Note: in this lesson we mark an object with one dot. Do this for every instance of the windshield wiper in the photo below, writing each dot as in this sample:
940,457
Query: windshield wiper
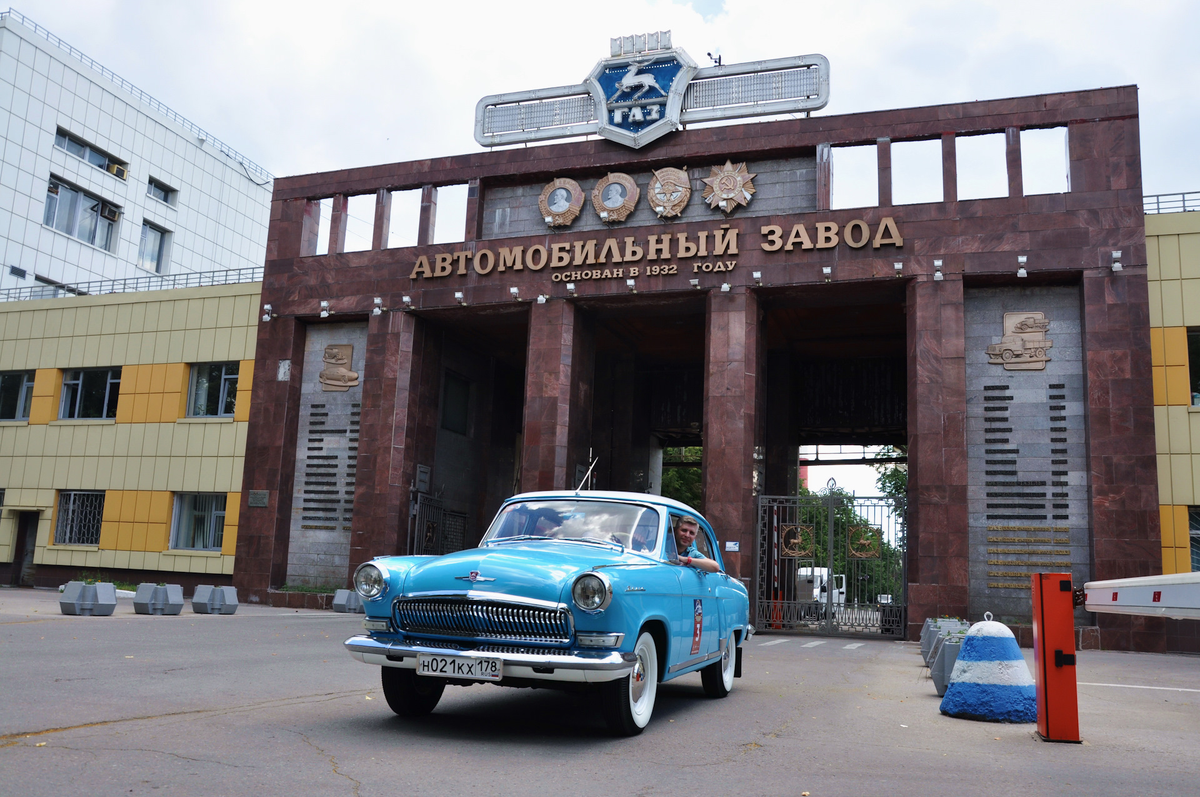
519,538
594,541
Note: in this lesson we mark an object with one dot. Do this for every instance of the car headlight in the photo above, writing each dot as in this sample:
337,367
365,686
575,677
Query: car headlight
370,580
592,592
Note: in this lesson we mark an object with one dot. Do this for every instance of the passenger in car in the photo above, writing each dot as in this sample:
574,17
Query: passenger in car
685,541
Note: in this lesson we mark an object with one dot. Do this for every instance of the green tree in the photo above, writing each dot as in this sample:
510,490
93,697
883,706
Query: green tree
682,482
866,578
892,480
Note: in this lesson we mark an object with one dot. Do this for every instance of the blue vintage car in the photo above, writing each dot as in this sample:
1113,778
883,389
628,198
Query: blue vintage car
571,590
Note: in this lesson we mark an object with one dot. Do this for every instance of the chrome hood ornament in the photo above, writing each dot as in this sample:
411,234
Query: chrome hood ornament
473,577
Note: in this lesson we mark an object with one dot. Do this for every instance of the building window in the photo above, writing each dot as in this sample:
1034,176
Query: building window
81,215
90,393
79,515
160,191
199,521
86,152
153,249
456,400
16,395
1193,350
1194,536
213,389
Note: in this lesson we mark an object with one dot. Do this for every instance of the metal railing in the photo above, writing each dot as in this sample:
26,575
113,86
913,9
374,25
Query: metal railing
1171,203
192,127
195,279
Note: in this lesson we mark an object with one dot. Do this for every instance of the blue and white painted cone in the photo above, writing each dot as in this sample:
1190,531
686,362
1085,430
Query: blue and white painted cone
990,680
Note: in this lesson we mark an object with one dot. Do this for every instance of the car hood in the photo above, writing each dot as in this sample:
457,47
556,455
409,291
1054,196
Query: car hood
534,569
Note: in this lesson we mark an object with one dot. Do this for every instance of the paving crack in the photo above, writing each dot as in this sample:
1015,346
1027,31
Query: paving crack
332,760
11,739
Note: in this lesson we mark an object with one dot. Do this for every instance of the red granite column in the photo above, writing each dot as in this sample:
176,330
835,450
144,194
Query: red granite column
732,417
938,549
264,531
338,219
381,230
949,168
1124,475
1012,156
884,149
558,396
399,408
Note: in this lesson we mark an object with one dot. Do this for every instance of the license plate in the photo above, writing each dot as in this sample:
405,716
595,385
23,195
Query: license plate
473,667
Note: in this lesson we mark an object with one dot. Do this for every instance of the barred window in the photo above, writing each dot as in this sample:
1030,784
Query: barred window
79,515
214,389
90,393
199,521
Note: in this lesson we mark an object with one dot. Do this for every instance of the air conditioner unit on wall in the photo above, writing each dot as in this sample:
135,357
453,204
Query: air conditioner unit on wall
109,212
117,169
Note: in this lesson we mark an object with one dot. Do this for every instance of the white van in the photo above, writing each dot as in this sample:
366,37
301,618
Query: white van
816,578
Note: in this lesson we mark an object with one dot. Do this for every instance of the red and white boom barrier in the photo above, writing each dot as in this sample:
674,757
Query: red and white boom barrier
1176,595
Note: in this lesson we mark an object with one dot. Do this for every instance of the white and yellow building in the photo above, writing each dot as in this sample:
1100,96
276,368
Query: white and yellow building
1173,255
122,430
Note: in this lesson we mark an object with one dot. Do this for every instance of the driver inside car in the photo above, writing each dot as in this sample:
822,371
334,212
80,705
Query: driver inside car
686,531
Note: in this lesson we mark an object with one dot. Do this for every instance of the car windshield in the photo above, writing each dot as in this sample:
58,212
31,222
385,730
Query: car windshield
634,527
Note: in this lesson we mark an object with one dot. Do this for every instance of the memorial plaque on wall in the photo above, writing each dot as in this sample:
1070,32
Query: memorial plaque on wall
1026,454
326,455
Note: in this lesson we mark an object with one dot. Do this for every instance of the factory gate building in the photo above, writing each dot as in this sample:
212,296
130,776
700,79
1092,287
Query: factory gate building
605,302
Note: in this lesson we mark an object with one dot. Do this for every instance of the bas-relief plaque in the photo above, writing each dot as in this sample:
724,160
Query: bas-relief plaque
614,197
1023,345
729,187
669,192
864,542
336,375
798,542
560,202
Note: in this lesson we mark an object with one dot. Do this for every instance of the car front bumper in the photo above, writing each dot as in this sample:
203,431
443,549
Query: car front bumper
575,666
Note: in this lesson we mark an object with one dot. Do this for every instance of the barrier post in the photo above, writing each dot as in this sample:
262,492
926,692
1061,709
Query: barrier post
1054,657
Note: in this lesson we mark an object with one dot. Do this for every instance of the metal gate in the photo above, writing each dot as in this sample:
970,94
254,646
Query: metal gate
435,530
832,563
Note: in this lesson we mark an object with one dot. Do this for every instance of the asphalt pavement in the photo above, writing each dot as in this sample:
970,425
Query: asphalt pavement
267,702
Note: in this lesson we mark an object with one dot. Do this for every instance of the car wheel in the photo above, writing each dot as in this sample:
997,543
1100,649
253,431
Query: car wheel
718,676
629,702
1006,355
408,694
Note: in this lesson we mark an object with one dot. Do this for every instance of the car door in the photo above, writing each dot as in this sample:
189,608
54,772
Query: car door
698,626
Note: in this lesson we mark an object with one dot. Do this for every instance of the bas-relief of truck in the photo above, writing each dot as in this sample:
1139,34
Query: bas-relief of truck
1026,342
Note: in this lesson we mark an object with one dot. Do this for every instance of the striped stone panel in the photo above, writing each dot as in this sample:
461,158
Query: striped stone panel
1026,449
326,462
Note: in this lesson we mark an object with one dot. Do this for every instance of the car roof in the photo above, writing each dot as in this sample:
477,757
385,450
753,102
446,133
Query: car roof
608,495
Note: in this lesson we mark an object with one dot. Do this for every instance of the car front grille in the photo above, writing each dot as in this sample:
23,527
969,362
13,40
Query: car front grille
482,620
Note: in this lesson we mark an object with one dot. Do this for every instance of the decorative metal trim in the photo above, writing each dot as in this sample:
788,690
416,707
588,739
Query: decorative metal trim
560,202
614,197
683,665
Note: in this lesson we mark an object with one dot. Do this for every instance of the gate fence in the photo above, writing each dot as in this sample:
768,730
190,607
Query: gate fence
832,563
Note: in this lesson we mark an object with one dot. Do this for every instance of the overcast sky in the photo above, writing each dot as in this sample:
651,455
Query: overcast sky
303,86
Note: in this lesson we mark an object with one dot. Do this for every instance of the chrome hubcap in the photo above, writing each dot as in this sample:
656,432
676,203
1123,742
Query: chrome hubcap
637,680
